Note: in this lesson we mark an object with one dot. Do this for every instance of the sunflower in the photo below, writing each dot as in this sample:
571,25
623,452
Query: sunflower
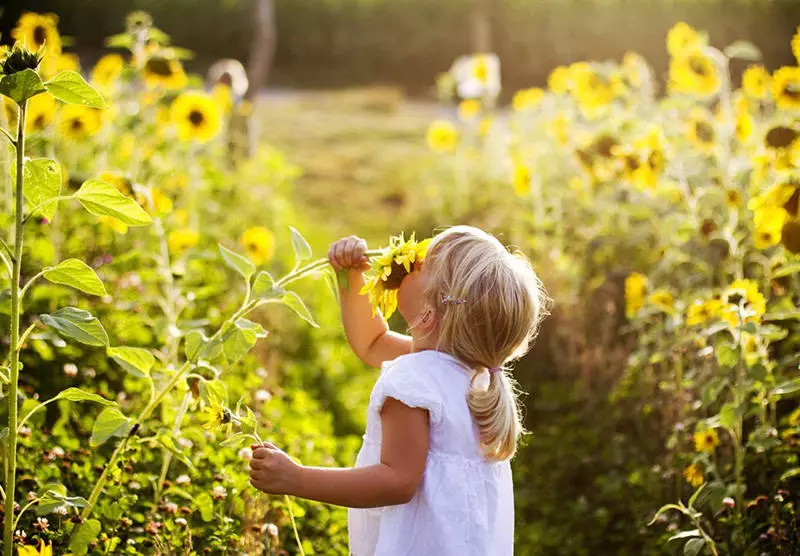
700,131
182,239
706,440
701,312
469,109
742,296
107,70
769,223
387,271
527,99
786,88
694,73
521,178
560,81
693,475
214,416
196,116
756,81
682,37
593,90
663,300
161,71
744,121
43,550
790,236
733,199
41,111
635,288
40,30
259,242
154,201
223,97
78,122
651,159
67,62
442,136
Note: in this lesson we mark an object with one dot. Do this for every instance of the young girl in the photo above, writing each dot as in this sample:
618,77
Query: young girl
433,475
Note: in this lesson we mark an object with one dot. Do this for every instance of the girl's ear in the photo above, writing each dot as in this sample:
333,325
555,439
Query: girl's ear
427,320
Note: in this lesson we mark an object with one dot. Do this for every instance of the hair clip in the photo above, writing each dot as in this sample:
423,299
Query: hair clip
450,300
495,370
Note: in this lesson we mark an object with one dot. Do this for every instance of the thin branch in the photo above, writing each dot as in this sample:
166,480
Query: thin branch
9,137
26,334
30,283
5,246
38,207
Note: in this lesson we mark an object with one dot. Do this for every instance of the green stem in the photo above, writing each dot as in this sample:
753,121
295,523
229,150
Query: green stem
22,511
9,267
11,446
319,263
49,201
29,284
167,455
27,333
294,525
8,136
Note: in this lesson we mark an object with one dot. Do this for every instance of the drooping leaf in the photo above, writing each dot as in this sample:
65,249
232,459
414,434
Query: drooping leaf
42,181
743,50
665,508
293,301
102,199
302,250
21,86
136,361
78,325
110,422
240,264
77,395
69,86
77,274
685,535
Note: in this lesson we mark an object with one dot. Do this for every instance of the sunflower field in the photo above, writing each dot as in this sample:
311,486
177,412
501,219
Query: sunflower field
162,307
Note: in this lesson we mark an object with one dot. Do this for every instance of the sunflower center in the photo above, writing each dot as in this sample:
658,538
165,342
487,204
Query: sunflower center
604,145
698,66
76,125
39,122
395,277
196,117
780,137
792,91
705,132
791,205
159,66
39,35
790,236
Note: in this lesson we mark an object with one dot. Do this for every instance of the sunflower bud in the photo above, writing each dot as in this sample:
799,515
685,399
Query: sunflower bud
21,58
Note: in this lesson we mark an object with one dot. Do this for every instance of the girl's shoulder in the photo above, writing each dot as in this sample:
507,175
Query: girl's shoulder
420,361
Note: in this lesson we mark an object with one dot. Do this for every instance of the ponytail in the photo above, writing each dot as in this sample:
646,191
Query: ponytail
496,413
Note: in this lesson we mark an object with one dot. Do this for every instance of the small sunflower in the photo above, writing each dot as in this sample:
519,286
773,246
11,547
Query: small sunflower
527,99
694,73
259,243
183,239
41,111
214,416
786,88
161,71
693,475
469,109
196,116
682,37
743,296
593,90
442,136
756,82
635,289
706,440
40,30
521,178
387,271
700,131
43,550
701,312
78,122
107,70
663,300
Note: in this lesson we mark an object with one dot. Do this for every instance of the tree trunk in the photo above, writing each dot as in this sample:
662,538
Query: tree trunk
265,41
481,23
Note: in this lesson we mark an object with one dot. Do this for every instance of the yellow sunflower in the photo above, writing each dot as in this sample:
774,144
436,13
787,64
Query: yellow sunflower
442,136
635,289
527,99
682,37
160,71
651,160
183,239
196,116
123,184
78,122
560,81
259,242
693,475
387,271
663,300
41,111
36,30
700,131
43,550
756,81
701,312
521,177
107,70
593,90
154,201
786,88
742,297
692,72
215,415
469,109
706,440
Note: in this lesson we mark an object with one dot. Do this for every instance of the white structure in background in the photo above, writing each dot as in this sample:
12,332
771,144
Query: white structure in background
230,72
477,76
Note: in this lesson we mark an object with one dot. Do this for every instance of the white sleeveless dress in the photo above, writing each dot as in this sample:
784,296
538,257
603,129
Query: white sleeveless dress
465,504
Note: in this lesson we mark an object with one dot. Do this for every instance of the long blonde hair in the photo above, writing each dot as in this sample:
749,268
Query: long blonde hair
505,304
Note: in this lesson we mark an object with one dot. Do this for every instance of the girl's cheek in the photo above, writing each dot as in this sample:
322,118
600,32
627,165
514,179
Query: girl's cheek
408,296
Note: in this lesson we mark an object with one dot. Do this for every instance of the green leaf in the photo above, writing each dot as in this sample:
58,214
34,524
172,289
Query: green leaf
696,494
21,86
743,50
52,501
213,391
169,443
78,325
136,361
234,440
727,416
77,274
293,301
693,547
42,182
665,508
199,347
85,534
787,388
110,422
264,287
786,315
727,356
205,504
69,87
239,338
302,250
685,535
786,270
77,395
240,264
791,473
102,199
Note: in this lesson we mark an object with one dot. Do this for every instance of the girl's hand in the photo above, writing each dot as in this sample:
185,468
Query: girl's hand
348,252
273,471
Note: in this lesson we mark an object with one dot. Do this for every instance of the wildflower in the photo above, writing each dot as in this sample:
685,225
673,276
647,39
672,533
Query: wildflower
706,440
785,87
756,81
693,475
183,480
692,72
682,37
78,122
387,271
70,369
246,454
635,287
527,99
41,524
44,550
442,136
214,415
468,109
107,70
196,116
183,239
219,492
164,71
259,243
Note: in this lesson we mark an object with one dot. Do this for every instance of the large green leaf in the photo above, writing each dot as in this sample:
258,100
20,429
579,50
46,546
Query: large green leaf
55,499
102,199
21,86
69,87
78,325
85,534
293,301
264,286
199,347
302,250
136,361
693,547
42,182
110,422
239,338
77,395
77,274
240,264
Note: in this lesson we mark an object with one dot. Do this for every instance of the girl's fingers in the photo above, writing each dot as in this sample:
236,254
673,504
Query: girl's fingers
352,251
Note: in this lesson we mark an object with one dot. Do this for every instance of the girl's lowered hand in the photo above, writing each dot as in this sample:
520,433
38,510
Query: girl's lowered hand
272,470
348,252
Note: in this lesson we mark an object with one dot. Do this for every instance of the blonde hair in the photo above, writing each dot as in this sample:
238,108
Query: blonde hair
505,304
